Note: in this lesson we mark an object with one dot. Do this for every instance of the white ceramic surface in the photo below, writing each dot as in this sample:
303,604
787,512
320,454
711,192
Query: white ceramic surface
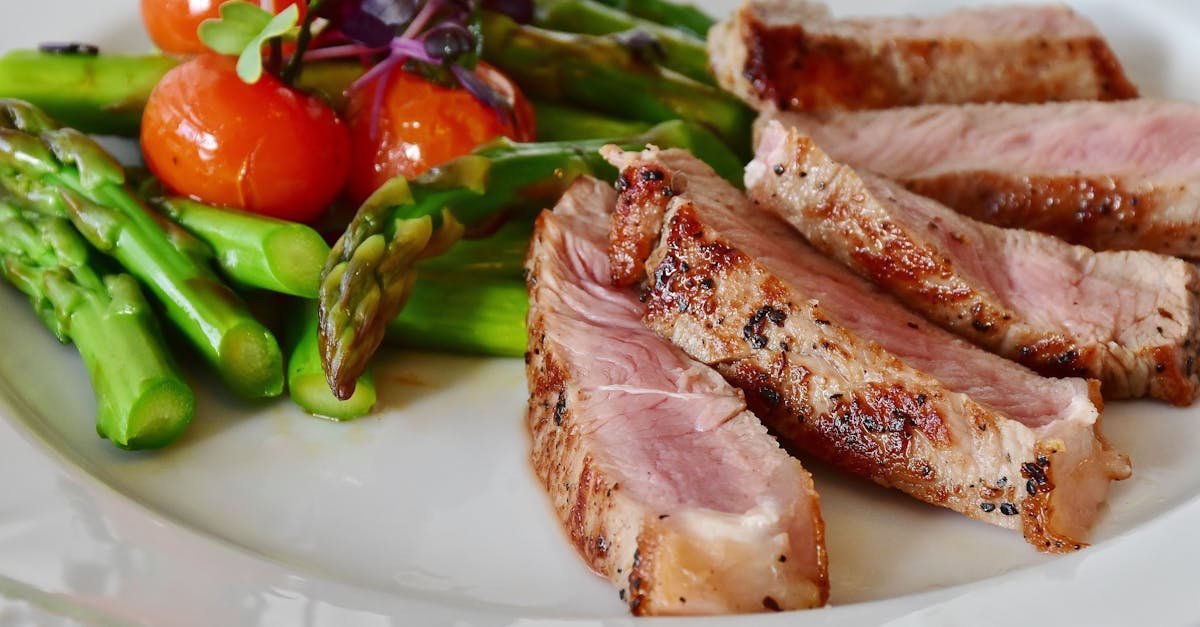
428,514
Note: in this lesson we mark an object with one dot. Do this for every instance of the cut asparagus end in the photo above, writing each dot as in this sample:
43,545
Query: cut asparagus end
251,362
307,384
295,256
311,392
159,414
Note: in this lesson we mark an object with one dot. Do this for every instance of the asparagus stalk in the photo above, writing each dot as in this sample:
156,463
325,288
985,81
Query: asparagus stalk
497,255
253,250
463,313
64,173
674,14
561,123
470,300
306,377
600,73
106,93
682,51
141,400
96,94
371,271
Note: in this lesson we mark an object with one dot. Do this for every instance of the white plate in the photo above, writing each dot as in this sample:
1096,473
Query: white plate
428,513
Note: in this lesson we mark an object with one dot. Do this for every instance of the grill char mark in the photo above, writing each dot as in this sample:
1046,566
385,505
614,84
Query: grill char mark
794,67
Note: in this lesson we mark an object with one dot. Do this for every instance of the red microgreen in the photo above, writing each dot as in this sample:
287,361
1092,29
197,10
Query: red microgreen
438,39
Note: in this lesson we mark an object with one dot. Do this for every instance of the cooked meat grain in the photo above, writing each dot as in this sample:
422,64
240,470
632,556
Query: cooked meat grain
793,54
1117,175
663,480
847,374
1128,318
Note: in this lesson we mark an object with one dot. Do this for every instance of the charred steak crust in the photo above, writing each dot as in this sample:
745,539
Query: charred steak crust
869,224
643,199
1100,212
581,499
1106,175
812,61
890,432
831,393
685,551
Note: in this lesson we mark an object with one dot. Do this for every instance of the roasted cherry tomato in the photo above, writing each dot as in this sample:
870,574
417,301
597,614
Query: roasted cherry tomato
265,147
422,124
172,24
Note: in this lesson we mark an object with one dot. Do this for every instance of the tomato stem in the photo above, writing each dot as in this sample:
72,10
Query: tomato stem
291,72
275,60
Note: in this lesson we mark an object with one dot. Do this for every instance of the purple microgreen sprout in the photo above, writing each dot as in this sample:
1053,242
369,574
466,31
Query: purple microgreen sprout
436,38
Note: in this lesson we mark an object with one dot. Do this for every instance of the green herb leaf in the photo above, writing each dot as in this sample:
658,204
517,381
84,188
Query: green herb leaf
243,29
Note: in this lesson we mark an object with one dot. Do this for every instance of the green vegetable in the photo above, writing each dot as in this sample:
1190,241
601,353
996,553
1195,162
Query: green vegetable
472,299
681,50
561,123
106,93
141,400
674,14
600,73
255,251
463,313
63,173
498,254
96,94
371,271
243,29
306,378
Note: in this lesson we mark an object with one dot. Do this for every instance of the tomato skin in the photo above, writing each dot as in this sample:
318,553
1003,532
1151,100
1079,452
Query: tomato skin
265,148
172,24
422,124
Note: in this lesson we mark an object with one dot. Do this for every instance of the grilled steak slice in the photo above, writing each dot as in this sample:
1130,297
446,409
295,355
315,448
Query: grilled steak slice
845,373
665,483
794,55
1117,175
1027,296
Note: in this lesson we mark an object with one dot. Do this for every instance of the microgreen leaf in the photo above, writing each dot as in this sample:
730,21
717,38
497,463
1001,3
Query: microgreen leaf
239,24
243,29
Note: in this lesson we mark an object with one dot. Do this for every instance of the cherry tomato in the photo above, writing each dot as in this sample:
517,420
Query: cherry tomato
422,124
265,147
172,24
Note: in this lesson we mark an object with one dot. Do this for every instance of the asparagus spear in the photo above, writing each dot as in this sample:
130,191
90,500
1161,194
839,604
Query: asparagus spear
141,400
306,377
682,50
370,272
500,254
560,123
106,93
96,94
463,313
64,173
470,300
253,250
600,73
674,14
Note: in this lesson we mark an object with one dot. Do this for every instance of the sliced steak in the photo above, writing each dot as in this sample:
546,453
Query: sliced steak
1115,175
664,482
1128,318
794,55
848,374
